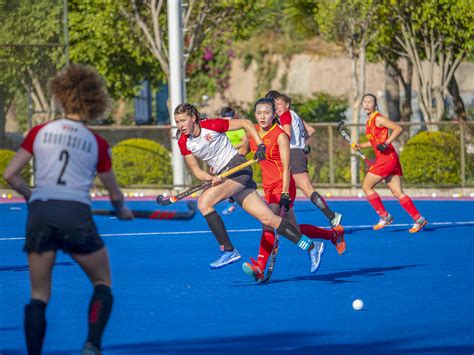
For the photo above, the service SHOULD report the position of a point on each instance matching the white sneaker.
(336, 220)
(227, 257)
(383, 222)
(315, 255)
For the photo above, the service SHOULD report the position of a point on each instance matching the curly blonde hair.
(79, 89)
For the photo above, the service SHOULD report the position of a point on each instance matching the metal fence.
(329, 159)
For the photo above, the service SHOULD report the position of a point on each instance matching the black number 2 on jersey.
(64, 154)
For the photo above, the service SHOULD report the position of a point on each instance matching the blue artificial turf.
(418, 289)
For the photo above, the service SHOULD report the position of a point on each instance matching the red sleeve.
(104, 163)
(285, 118)
(216, 124)
(30, 138)
(182, 145)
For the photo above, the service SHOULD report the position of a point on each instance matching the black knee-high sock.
(99, 312)
(216, 224)
(35, 326)
(287, 230)
(320, 202)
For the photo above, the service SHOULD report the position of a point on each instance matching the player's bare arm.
(382, 121)
(248, 126)
(13, 170)
(196, 170)
(284, 145)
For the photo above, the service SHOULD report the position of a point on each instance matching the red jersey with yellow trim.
(272, 166)
(378, 135)
(387, 162)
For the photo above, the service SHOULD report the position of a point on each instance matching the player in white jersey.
(67, 156)
(206, 140)
(298, 130)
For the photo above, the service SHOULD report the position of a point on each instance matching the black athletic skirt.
(65, 225)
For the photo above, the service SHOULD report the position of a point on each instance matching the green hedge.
(142, 162)
(5, 157)
(432, 158)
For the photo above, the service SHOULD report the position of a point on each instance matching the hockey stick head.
(163, 201)
(340, 124)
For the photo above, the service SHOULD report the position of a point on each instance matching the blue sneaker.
(230, 208)
(227, 257)
(90, 349)
(315, 255)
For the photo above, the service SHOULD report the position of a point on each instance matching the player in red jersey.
(206, 140)
(67, 156)
(296, 129)
(280, 190)
(386, 167)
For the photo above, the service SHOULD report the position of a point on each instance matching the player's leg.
(40, 269)
(368, 186)
(299, 170)
(394, 183)
(303, 183)
(97, 268)
(206, 202)
(256, 207)
(335, 235)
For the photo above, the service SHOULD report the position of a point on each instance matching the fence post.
(331, 155)
(463, 154)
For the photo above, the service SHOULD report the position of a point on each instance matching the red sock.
(314, 232)
(409, 206)
(266, 246)
(376, 202)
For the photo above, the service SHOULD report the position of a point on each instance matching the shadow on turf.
(291, 342)
(339, 277)
(25, 267)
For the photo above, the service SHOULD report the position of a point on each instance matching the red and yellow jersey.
(272, 166)
(378, 135)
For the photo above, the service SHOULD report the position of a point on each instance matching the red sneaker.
(338, 239)
(253, 269)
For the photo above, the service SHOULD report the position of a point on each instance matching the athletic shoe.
(383, 222)
(338, 239)
(227, 257)
(419, 224)
(89, 349)
(336, 220)
(253, 270)
(315, 256)
(229, 209)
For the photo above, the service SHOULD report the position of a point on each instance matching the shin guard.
(377, 204)
(216, 225)
(35, 326)
(409, 206)
(99, 311)
(320, 202)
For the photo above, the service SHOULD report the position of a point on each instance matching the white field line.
(360, 226)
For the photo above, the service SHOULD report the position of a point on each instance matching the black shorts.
(298, 161)
(243, 177)
(65, 225)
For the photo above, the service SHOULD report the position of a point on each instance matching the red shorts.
(273, 192)
(386, 165)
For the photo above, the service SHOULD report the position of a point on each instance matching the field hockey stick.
(273, 255)
(167, 201)
(348, 139)
(155, 214)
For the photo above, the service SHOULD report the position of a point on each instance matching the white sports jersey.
(297, 128)
(67, 155)
(211, 146)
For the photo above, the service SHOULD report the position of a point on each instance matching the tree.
(435, 36)
(126, 40)
(353, 25)
(31, 50)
